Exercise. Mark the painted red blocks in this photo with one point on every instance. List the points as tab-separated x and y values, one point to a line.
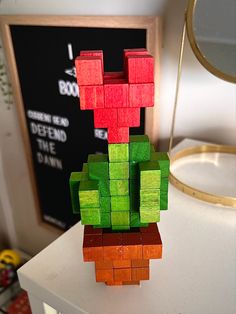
140	69
89	70
116	97
116	93
118	135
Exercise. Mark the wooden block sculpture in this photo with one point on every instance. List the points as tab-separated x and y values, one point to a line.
119	195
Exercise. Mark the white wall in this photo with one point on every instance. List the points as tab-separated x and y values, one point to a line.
207	105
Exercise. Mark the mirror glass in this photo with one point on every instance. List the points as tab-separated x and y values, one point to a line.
214	29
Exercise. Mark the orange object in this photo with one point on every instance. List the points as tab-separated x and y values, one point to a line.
104	275
140	273
122	274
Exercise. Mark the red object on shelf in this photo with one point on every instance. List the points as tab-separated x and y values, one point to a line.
20	305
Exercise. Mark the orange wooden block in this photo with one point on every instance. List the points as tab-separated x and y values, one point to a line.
122	274
122	263
103	265
140	263
152	246
92	248
140	273
114	283
103	275
132	282
112	246
132	246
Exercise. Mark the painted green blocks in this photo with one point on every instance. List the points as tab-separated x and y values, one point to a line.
164	164
124	189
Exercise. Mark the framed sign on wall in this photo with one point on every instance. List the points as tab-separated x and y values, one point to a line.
58	136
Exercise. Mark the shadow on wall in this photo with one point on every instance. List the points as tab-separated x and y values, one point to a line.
202	135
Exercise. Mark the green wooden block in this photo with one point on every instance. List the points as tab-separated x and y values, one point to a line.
149	206
120	203
151	195
133	170
98	167
120	218
163	161
105	221
119	228
135	220
134	195
149	216
85	167
105	204
90	216
152	148
104	187
119	170
164	184
150	175
119	187
164	201
118	152
74	181
139	148
89	194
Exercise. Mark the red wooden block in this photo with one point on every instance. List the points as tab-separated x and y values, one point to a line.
89	70
89	230
113	75
122	274
132	246
128	117
112	246
103	275
132	52
93	53
103	265
122	264
152	246
91	97
141	95
105	118
116	93
152	228
140	69
118	135
92	248
140	263
141	273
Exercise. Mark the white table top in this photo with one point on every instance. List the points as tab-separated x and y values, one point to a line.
197	273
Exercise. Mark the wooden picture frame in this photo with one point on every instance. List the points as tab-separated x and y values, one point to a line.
152	26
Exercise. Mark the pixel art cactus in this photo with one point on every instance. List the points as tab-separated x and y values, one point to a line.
119	195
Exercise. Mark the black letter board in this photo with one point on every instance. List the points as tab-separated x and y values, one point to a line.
61	135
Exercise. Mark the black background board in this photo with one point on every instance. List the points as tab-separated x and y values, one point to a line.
44	63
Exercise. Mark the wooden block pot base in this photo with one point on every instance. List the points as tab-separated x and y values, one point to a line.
122	258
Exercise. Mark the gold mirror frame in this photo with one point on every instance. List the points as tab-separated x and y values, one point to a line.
221	200
192	39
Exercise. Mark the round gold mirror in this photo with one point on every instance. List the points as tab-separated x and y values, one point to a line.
211	29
